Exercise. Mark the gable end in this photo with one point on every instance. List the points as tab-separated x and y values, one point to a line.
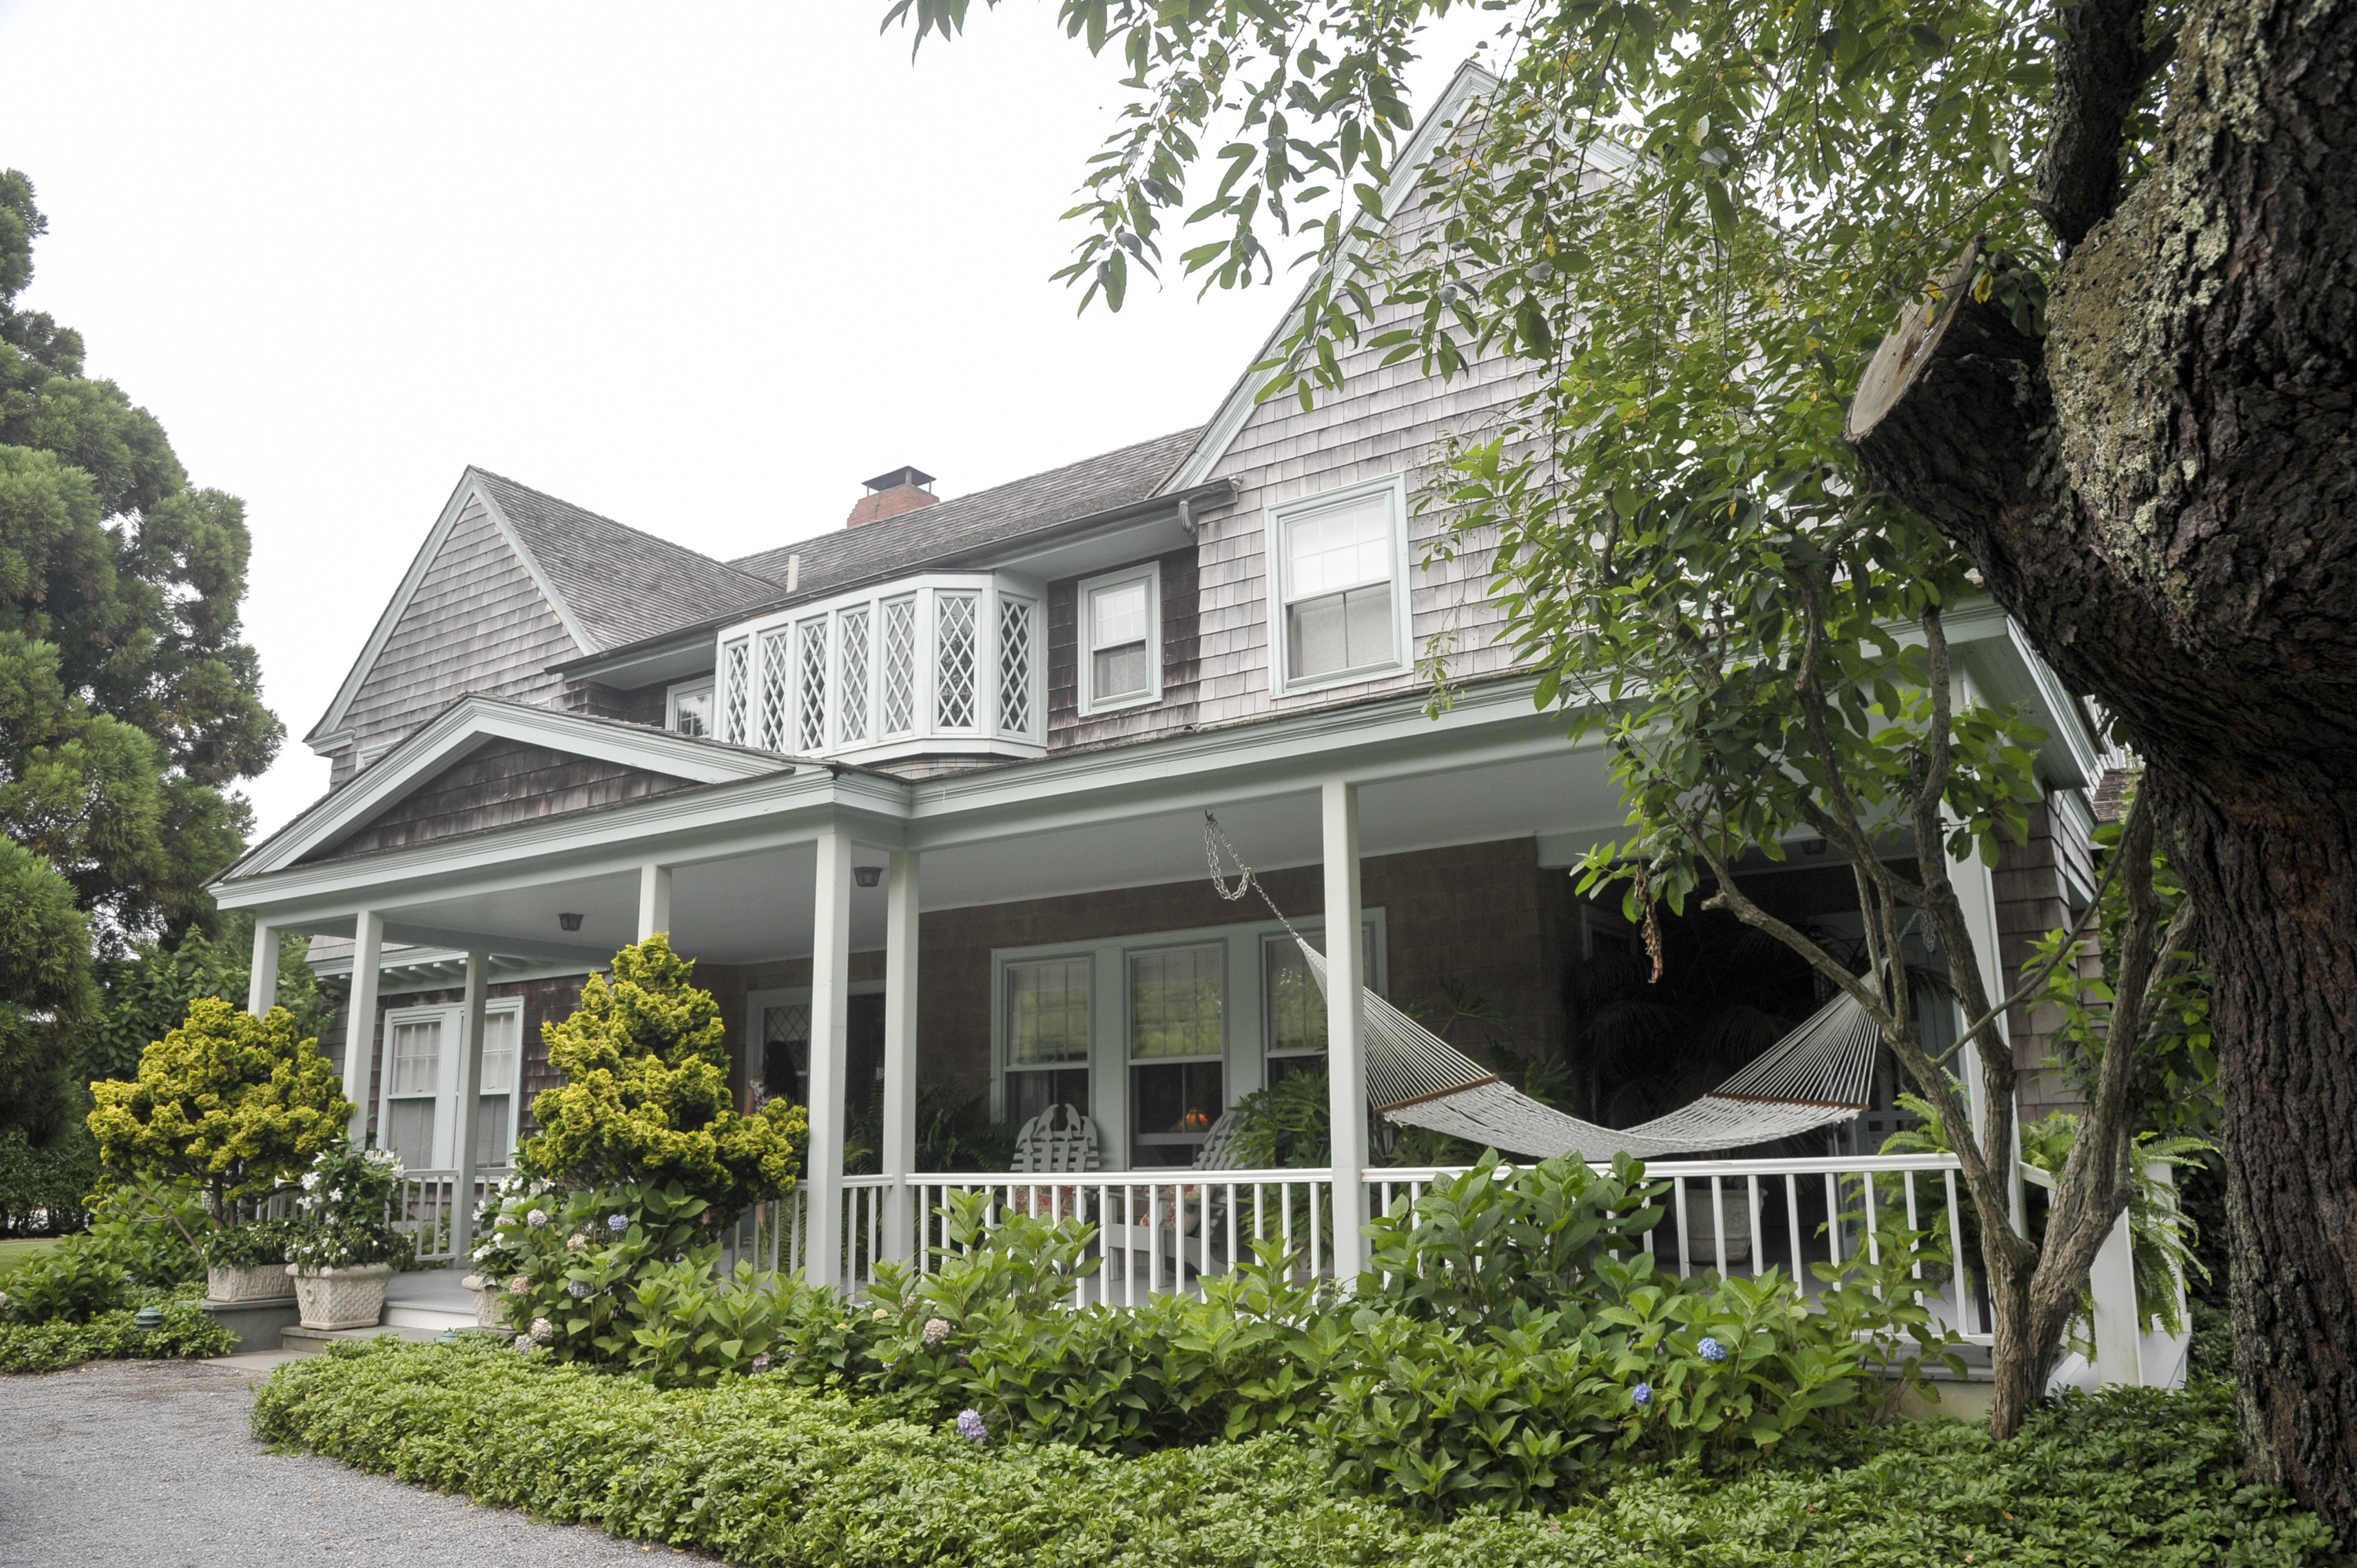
496	784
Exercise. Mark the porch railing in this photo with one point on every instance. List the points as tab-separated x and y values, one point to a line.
423	1201
1161	1230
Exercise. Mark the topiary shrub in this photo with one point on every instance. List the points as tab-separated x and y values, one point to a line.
646	1097
229	1101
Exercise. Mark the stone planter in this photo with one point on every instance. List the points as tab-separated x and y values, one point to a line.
1735	1219
487	1301
341	1298
258	1282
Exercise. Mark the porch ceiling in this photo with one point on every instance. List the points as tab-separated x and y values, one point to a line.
752	908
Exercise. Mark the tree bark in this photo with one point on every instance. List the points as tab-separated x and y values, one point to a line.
2162	494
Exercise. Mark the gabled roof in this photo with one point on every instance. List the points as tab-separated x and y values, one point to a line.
621	583
917	538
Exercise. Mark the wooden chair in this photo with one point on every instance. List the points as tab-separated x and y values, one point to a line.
1060	1141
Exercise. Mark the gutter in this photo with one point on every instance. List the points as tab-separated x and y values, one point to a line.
1213	494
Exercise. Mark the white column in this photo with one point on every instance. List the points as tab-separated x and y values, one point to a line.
262	983
654	900
359	1017
900	1048
470	1105
2119	1329
829	1040
1975	888
1346	1068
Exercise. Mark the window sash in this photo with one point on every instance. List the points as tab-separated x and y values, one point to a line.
416	1057
1349	631
1339	547
1293	1006
1175	1003
1048	1012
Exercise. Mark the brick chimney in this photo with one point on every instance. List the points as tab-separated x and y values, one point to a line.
889	495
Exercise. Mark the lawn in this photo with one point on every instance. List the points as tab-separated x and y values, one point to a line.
14	1255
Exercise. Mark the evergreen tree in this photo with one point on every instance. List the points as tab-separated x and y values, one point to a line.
128	704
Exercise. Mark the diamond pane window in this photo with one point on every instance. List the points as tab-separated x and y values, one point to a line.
733	660
899	666
850	723
954	675
809	734
1015	666
776	689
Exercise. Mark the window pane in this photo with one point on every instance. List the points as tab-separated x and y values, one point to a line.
1297	1008
1117	614
1348	630
692	712
409	1133
1339	549
1174	1106
785	1052
491	1131
499	1032
1030	1093
1119	671
417	1057
1367	625
1047	1012
1174	1004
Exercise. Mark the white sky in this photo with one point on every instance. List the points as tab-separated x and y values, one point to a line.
701	268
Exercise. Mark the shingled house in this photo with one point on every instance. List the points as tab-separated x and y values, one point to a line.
923	793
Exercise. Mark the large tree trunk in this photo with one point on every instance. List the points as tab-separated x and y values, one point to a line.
2162	492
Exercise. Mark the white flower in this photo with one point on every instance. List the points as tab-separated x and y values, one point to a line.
524	1343
535	1220
542	1330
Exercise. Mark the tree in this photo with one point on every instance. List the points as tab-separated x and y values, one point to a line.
128	705
1693	224
233	1103
646	1094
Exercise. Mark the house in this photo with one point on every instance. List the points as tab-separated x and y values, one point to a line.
924	795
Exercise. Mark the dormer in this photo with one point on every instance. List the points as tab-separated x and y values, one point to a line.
934	663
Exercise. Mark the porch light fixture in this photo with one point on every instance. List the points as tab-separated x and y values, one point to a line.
570	922
867	876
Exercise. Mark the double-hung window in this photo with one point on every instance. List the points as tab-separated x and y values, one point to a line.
1121	644
1046	1034
689	708
1339	563
1177	1041
415	1087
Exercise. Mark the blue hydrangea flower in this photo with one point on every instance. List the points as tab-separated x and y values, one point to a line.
615	1222
971	1428
1643	1394
1711	1349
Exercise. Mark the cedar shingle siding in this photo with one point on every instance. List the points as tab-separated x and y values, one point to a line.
498	784
477	623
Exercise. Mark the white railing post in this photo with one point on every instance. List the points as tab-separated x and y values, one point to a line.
1346	1073
2119	1327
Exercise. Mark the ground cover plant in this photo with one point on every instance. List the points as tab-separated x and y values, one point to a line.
760	1471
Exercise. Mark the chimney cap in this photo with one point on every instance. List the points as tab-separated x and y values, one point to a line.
905	474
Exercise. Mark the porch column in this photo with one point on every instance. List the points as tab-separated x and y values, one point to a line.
899	1049
1975	888
654	900
262	981
1346	1069
359	1017
829	1040
470	1106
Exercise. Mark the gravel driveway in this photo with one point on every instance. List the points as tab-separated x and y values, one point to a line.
148	1464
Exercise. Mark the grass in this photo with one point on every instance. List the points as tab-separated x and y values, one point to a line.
14	1255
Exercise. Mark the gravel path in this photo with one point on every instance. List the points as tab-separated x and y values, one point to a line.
149	1465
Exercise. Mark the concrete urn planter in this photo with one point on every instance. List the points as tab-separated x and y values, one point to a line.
341	1298
257	1282
487	1300
1735	1222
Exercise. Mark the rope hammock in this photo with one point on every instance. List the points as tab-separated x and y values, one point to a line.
1818	1075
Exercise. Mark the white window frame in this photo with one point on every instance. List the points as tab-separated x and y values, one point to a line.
1244	1069
453	1018
709	686
1150	574
1276	520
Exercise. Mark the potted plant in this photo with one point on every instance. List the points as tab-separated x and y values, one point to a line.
248	1262
343	1248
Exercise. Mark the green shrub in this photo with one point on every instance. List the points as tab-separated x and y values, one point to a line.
138	1245
573	1277
43	1188
760	1472
248	1246
115	1334
646	1092
82	1278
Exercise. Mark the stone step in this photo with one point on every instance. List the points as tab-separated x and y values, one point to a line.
409	1315
308	1340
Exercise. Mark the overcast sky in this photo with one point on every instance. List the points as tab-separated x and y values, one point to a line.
702	269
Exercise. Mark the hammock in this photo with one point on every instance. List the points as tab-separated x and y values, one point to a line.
1818	1075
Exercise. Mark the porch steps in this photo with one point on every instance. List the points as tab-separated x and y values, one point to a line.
308	1341
433	1319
